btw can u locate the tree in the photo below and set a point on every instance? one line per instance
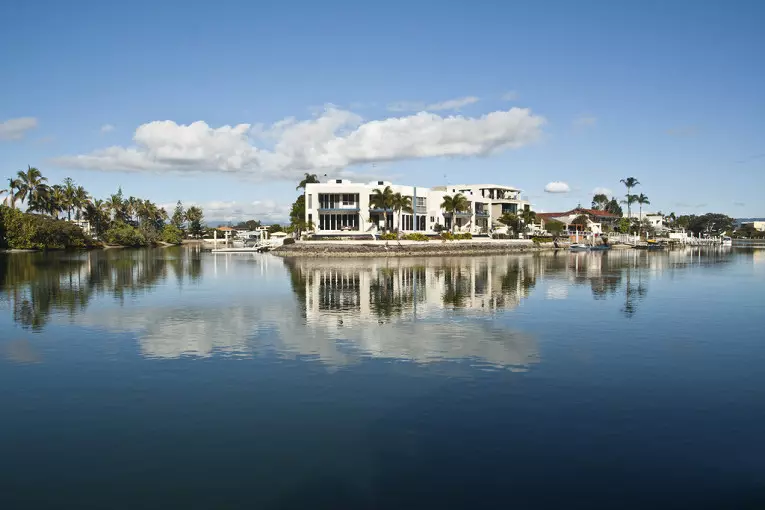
(642, 199)
(600, 202)
(710, 224)
(195, 216)
(248, 225)
(32, 187)
(308, 179)
(554, 227)
(453, 205)
(97, 214)
(511, 220)
(529, 217)
(629, 183)
(613, 207)
(117, 206)
(70, 191)
(624, 225)
(11, 191)
(383, 199)
(401, 204)
(583, 221)
(179, 215)
(631, 199)
(297, 217)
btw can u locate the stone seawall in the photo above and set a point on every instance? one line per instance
(406, 248)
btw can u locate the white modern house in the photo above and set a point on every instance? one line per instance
(342, 207)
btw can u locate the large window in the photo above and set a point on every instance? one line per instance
(338, 221)
(338, 200)
(509, 208)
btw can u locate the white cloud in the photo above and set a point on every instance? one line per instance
(557, 187)
(417, 106)
(107, 128)
(510, 95)
(330, 142)
(267, 211)
(585, 121)
(14, 129)
(604, 191)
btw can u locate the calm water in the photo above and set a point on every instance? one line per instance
(178, 379)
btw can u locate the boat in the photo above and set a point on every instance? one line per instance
(600, 247)
(579, 247)
(727, 241)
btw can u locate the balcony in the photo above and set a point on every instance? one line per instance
(482, 214)
(340, 208)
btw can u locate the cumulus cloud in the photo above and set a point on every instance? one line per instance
(107, 128)
(585, 121)
(557, 187)
(416, 106)
(510, 95)
(603, 191)
(330, 142)
(15, 129)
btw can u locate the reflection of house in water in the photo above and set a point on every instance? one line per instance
(369, 290)
(400, 309)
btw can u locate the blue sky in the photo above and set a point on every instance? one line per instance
(519, 93)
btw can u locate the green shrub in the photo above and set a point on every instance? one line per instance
(288, 240)
(540, 240)
(447, 236)
(26, 231)
(388, 236)
(416, 236)
(123, 234)
(464, 236)
(171, 234)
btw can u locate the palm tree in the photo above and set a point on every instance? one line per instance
(69, 194)
(382, 200)
(79, 200)
(401, 203)
(56, 200)
(641, 199)
(453, 205)
(308, 179)
(117, 205)
(97, 214)
(629, 183)
(194, 217)
(529, 217)
(631, 199)
(13, 187)
(31, 186)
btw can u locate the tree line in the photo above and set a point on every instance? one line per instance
(128, 221)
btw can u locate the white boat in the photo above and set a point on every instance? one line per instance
(579, 247)
(727, 241)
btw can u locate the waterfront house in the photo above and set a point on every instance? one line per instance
(342, 207)
(596, 220)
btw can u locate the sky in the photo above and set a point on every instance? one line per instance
(227, 104)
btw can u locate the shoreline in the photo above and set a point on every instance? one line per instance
(409, 248)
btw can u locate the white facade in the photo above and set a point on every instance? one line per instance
(655, 220)
(757, 225)
(343, 207)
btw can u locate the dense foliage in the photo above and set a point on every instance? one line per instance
(26, 231)
(135, 221)
(416, 236)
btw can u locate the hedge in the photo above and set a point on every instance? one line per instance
(26, 231)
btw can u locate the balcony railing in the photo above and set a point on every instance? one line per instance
(482, 214)
(340, 208)
(380, 210)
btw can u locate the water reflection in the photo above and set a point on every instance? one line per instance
(181, 302)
